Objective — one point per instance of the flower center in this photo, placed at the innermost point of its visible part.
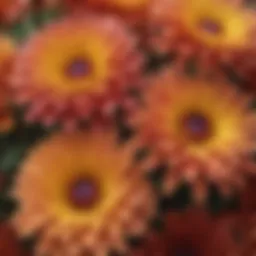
(78, 68)
(196, 127)
(84, 193)
(210, 26)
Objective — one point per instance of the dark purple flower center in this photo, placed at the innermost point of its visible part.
(78, 68)
(196, 127)
(84, 193)
(210, 26)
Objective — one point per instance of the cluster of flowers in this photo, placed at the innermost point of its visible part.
(130, 127)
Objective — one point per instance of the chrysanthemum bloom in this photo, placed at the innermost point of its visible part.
(203, 129)
(199, 29)
(81, 192)
(65, 79)
(193, 233)
(10, 10)
(134, 11)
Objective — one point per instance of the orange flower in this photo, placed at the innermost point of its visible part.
(65, 79)
(199, 29)
(81, 191)
(204, 130)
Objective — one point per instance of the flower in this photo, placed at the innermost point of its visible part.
(196, 233)
(68, 79)
(198, 29)
(11, 10)
(82, 193)
(204, 130)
